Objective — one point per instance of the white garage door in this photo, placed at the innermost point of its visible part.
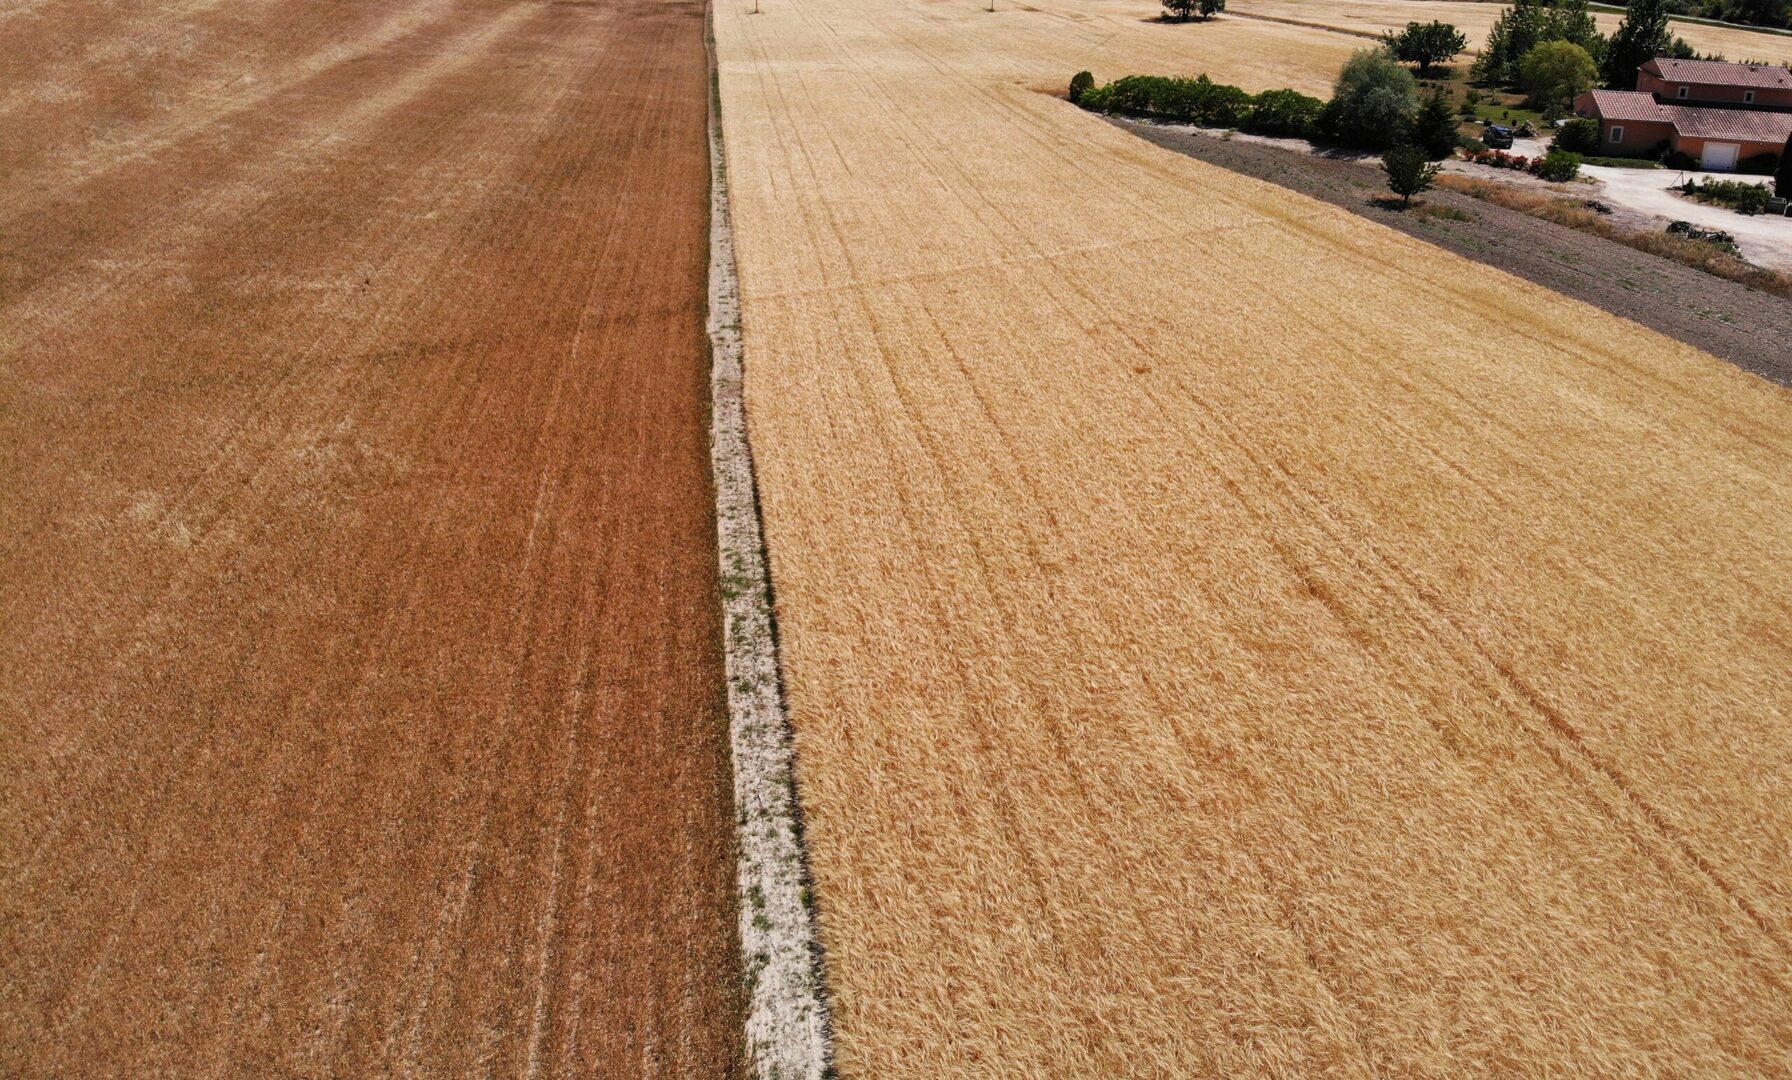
(1720, 156)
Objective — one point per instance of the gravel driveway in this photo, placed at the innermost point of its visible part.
(1765, 241)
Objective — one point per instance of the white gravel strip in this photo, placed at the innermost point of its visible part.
(788, 1021)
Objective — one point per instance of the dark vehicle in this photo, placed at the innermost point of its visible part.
(1497, 137)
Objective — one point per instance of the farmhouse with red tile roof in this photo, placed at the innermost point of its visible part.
(1716, 113)
(1714, 82)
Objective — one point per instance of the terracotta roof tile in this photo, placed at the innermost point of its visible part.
(1629, 105)
(1740, 125)
(1719, 73)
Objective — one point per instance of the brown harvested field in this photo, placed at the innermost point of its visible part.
(1225, 636)
(360, 699)
(1475, 18)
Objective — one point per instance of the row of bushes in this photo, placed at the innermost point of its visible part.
(1201, 101)
(1557, 167)
(1742, 197)
(1375, 106)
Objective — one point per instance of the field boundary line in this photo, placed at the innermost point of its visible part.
(788, 1023)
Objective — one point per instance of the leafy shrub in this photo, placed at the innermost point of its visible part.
(1499, 159)
(1219, 105)
(1080, 83)
(1759, 164)
(1373, 102)
(1558, 166)
(1744, 198)
(1283, 112)
(1676, 159)
(1137, 93)
(1471, 146)
(1578, 136)
(1197, 101)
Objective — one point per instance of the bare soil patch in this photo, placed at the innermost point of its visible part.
(1744, 326)
(361, 698)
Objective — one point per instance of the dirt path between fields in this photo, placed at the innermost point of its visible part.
(361, 694)
(1746, 327)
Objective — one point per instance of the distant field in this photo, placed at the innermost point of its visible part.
(360, 699)
(1476, 19)
(1226, 637)
(1124, 37)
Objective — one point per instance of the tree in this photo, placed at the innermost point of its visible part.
(1425, 44)
(1517, 31)
(1782, 180)
(1758, 12)
(1179, 10)
(1640, 38)
(1080, 83)
(1572, 21)
(1528, 24)
(1555, 73)
(1373, 102)
(1434, 129)
(1208, 7)
(1408, 172)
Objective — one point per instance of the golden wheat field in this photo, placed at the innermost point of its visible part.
(1475, 19)
(1225, 637)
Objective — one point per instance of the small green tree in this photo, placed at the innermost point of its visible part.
(1782, 180)
(1179, 10)
(1555, 73)
(1080, 83)
(1425, 44)
(1373, 102)
(1209, 7)
(1408, 171)
(1434, 129)
(1640, 38)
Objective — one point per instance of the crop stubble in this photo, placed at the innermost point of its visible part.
(1476, 18)
(362, 699)
(1225, 636)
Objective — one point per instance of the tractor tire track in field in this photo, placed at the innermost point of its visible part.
(1223, 637)
(363, 699)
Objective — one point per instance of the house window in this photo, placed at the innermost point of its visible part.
(1617, 133)
(1748, 97)
(1681, 93)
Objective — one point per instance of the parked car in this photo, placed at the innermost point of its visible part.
(1497, 137)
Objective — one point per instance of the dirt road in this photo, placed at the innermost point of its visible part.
(360, 702)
